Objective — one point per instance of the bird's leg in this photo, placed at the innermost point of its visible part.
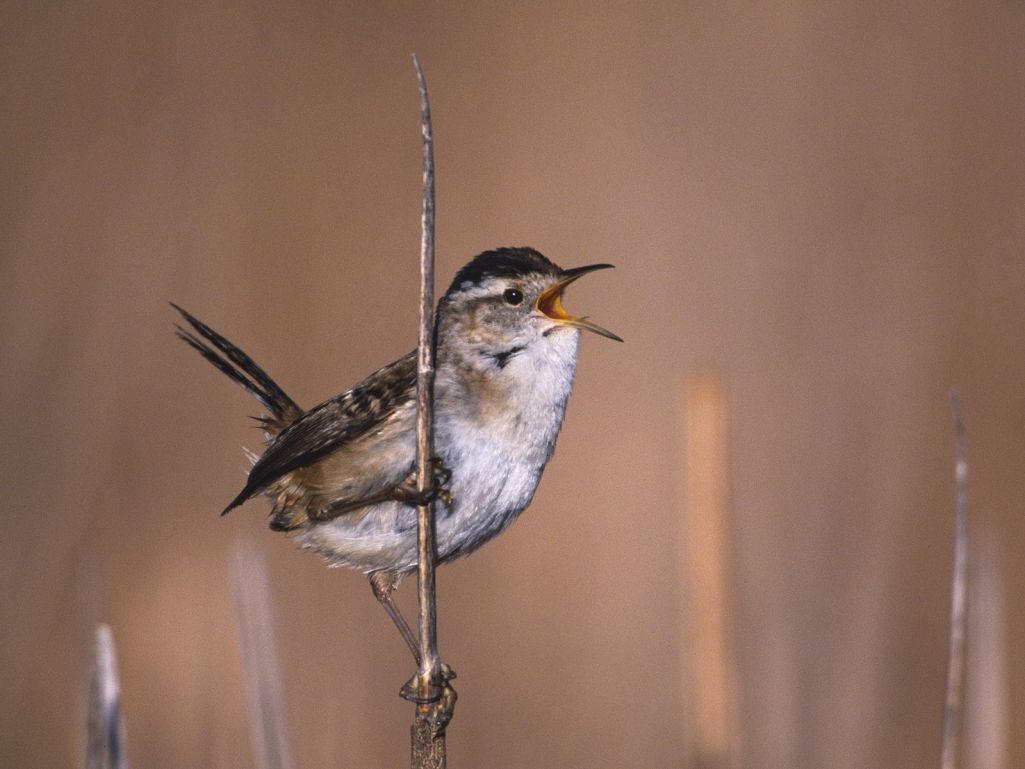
(384, 583)
(406, 493)
(341, 508)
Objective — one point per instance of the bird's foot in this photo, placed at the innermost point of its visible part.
(438, 695)
(408, 494)
(447, 673)
(415, 689)
(442, 476)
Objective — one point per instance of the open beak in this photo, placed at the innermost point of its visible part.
(550, 302)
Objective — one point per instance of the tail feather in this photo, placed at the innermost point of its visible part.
(240, 368)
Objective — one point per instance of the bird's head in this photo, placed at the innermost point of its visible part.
(511, 298)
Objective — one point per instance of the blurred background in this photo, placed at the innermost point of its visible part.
(815, 210)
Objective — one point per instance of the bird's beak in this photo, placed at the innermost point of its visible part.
(550, 302)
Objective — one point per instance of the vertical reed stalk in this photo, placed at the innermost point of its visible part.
(959, 580)
(268, 726)
(434, 699)
(709, 664)
(106, 748)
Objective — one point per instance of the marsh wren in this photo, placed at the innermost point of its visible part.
(340, 476)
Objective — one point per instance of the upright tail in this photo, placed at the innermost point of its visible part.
(238, 366)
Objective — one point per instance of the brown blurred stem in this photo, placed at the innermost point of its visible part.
(429, 690)
(959, 579)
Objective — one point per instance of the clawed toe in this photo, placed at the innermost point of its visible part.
(441, 473)
(409, 495)
(440, 696)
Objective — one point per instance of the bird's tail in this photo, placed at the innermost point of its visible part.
(242, 369)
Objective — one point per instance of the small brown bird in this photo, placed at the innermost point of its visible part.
(340, 476)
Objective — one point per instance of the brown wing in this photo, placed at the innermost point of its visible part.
(333, 423)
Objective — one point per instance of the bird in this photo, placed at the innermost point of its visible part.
(340, 476)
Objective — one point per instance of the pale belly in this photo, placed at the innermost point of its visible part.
(496, 456)
(490, 487)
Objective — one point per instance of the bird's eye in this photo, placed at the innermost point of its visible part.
(513, 295)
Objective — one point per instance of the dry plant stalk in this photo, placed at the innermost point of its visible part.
(434, 698)
(268, 726)
(709, 661)
(959, 580)
(106, 746)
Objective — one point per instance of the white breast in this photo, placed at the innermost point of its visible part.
(495, 439)
(497, 453)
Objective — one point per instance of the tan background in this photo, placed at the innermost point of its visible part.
(821, 200)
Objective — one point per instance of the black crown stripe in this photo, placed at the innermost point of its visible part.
(503, 263)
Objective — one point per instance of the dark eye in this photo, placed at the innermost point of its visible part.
(513, 295)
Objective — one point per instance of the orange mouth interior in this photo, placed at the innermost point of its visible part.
(550, 303)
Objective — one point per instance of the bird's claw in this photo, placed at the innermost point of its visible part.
(442, 711)
(442, 476)
(414, 690)
(413, 497)
(441, 472)
(439, 696)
